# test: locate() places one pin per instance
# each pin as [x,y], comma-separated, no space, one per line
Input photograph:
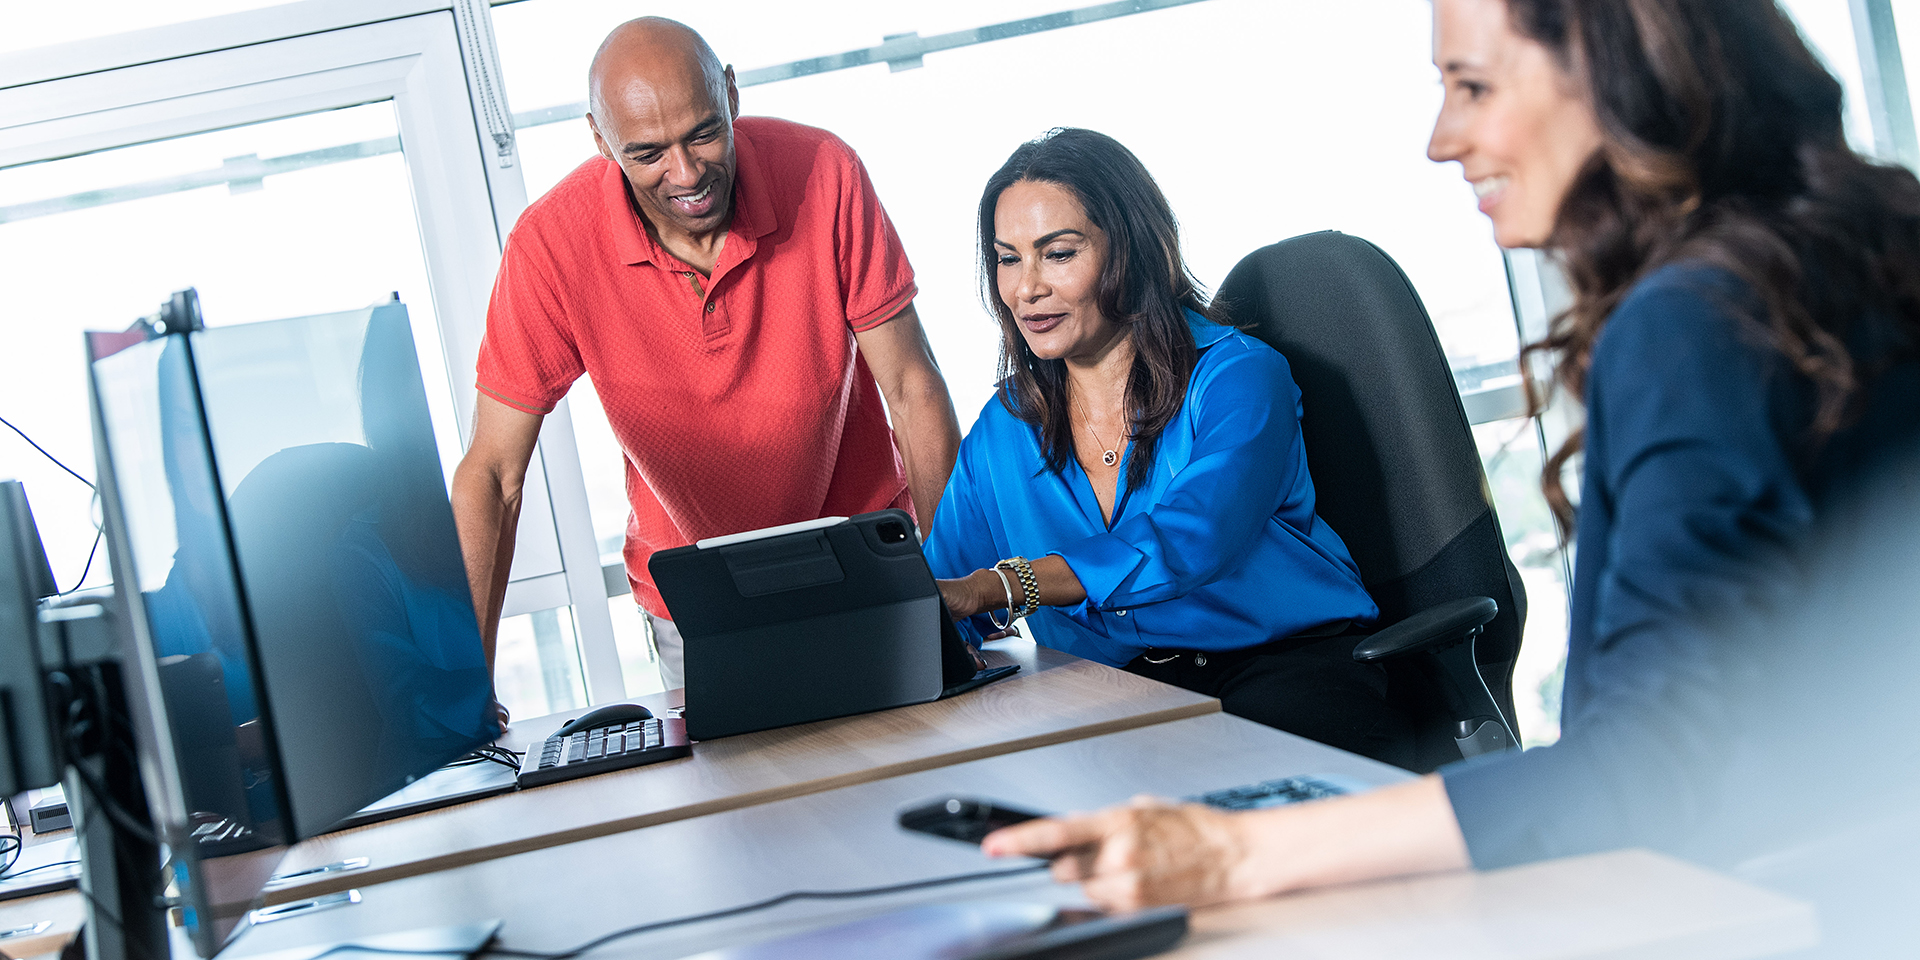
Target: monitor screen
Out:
[295,570]
[214,772]
[370,651]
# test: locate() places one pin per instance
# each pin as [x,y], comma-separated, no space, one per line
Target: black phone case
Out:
[970,823]
[805,626]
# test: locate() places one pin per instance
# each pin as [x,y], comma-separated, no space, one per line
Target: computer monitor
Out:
[26,761]
[208,752]
[368,645]
[299,637]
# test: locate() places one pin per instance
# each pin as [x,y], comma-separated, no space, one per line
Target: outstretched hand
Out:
[1147,853]
[1153,852]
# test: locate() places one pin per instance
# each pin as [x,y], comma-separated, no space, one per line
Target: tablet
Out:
[804,622]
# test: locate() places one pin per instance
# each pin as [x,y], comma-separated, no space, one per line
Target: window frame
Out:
[279,62]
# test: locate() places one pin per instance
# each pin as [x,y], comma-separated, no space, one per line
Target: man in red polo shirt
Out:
[737,294]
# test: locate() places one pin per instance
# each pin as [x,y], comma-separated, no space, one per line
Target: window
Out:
[281,178]
[100,239]
[1261,120]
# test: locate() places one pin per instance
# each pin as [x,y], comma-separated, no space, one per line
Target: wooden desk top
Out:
[63,910]
[1623,904]
[1053,699]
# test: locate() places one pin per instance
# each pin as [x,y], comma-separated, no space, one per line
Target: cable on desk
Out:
[491,753]
[650,927]
[5,877]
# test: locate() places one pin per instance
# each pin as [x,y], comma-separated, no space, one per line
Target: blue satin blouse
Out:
[1219,550]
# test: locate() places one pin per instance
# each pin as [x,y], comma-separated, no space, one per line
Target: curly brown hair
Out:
[1722,143]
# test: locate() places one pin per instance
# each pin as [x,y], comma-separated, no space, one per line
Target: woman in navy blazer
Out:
[1743,332]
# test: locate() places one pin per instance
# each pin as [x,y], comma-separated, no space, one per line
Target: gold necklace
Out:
[1108,456]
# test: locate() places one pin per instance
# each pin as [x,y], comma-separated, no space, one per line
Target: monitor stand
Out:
[120,876]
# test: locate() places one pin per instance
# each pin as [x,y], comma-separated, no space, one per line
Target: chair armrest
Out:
[1433,627]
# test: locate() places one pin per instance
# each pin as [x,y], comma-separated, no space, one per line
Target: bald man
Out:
[742,303]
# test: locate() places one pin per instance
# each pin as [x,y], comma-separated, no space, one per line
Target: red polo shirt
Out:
[739,401]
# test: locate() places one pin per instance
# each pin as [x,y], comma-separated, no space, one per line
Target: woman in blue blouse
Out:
[1149,461]
[1745,332]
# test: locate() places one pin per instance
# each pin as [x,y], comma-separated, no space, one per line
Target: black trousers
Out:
[1308,686]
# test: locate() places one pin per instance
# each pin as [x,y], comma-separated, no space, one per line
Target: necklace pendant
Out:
[1109,458]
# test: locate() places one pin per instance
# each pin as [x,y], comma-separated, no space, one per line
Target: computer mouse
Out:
[606,716]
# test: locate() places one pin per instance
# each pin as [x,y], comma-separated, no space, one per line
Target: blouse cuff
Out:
[1102,563]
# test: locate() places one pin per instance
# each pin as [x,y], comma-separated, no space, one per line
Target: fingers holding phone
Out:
[1148,852]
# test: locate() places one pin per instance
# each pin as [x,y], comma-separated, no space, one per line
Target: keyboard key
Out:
[615,747]
[1272,793]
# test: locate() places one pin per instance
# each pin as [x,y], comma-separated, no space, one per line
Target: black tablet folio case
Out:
[804,626]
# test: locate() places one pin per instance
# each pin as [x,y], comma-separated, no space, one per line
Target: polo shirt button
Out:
[1119,613]
[1199,659]
[709,307]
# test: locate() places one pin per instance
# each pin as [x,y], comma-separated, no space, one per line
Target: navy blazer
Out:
[1687,698]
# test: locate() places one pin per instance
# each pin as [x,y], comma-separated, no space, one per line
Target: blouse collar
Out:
[1206,333]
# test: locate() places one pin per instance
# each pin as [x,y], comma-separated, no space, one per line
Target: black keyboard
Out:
[1272,793]
[615,747]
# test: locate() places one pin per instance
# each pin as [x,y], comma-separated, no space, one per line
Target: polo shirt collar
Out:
[753,213]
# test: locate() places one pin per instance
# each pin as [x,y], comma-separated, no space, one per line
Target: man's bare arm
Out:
[486,505]
[924,426]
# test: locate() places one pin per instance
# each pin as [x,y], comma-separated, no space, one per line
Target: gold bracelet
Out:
[1029,585]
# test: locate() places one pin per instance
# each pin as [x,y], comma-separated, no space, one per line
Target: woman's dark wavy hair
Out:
[1722,143]
[1144,286]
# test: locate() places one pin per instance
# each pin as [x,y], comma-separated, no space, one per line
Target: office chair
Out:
[1397,475]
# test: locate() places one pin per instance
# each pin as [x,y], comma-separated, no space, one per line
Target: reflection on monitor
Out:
[368,643]
[290,559]
[215,778]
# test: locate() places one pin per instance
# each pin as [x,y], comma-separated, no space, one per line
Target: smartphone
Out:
[966,819]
